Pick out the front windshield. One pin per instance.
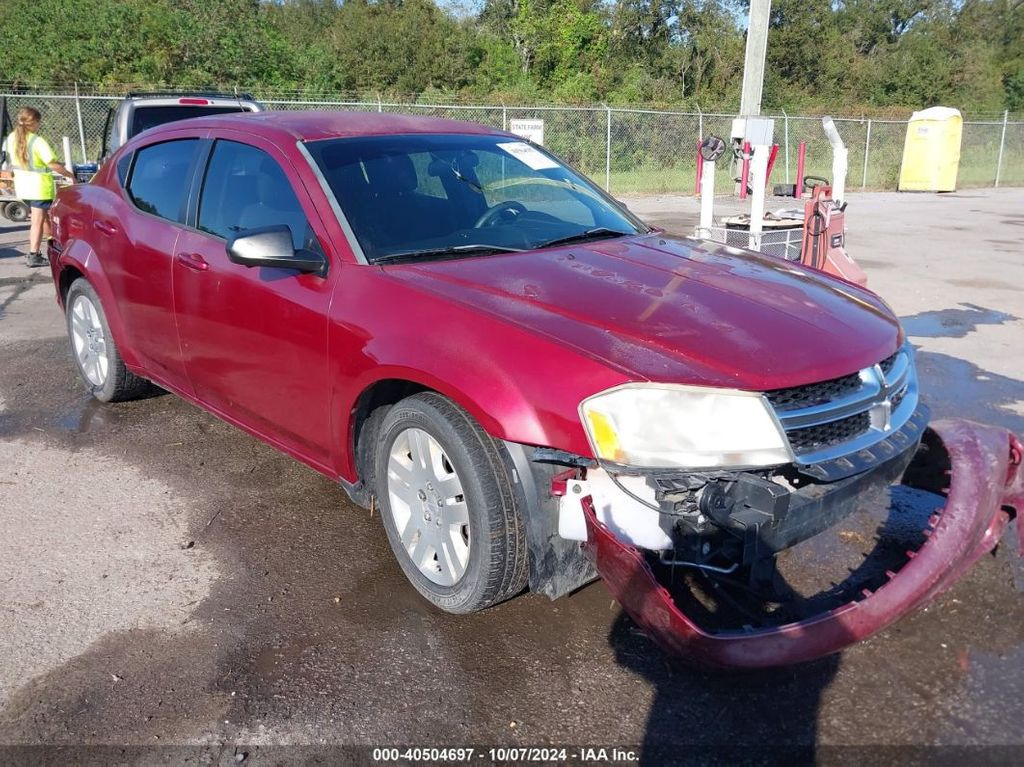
(427, 196)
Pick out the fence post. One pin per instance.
(380, 105)
(81, 126)
(700, 123)
(1002, 143)
(867, 151)
(785, 124)
(700, 169)
(504, 116)
(608, 152)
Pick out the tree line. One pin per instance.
(821, 53)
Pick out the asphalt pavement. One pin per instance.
(166, 579)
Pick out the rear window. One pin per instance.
(145, 118)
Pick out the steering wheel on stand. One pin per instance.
(508, 210)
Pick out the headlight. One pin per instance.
(692, 427)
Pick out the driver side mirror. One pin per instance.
(272, 246)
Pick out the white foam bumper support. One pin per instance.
(627, 518)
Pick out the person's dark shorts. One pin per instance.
(41, 204)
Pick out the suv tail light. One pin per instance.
(193, 101)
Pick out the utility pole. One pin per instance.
(753, 61)
(753, 77)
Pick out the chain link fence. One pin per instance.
(631, 151)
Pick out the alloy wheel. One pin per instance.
(89, 340)
(428, 507)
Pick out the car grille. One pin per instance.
(887, 363)
(813, 394)
(897, 398)
(828, 434)
(829, 419)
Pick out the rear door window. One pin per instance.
(160, 178)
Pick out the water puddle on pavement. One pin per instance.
(875, 537)
(85, 413)
(953, 323)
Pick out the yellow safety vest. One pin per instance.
(34, 182)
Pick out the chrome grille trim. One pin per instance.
(888, 398)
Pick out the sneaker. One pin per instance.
(36, 259)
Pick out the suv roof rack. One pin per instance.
(198, 94)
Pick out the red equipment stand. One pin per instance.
(824, 244)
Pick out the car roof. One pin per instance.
(189, 94)
(312, 126)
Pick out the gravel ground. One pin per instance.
(168, 580)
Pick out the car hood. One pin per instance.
(676, 310)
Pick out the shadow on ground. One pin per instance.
(716, 717)
(11, 249)
(12, 292)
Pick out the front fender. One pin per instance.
(519, 386)
(504, 408)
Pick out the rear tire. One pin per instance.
(93, 348)
(448, 505)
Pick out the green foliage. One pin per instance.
(821, 53)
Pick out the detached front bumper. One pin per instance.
(984, 488)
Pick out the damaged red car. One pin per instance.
(532, 386)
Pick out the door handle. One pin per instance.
(104, 226)
(193, 261)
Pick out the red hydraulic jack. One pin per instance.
(824, 238)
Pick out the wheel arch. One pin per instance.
(79, 261)
(509, 413)
(382, 393)
(366, 412)
(67, 275)
(556, 566)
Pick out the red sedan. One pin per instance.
(527, 381)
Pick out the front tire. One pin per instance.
(448, 505)
(93, 348)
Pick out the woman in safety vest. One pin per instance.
(32, 159)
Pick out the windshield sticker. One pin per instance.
(529, 156)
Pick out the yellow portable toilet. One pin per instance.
(931, 153)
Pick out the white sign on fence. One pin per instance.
(532, 130)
